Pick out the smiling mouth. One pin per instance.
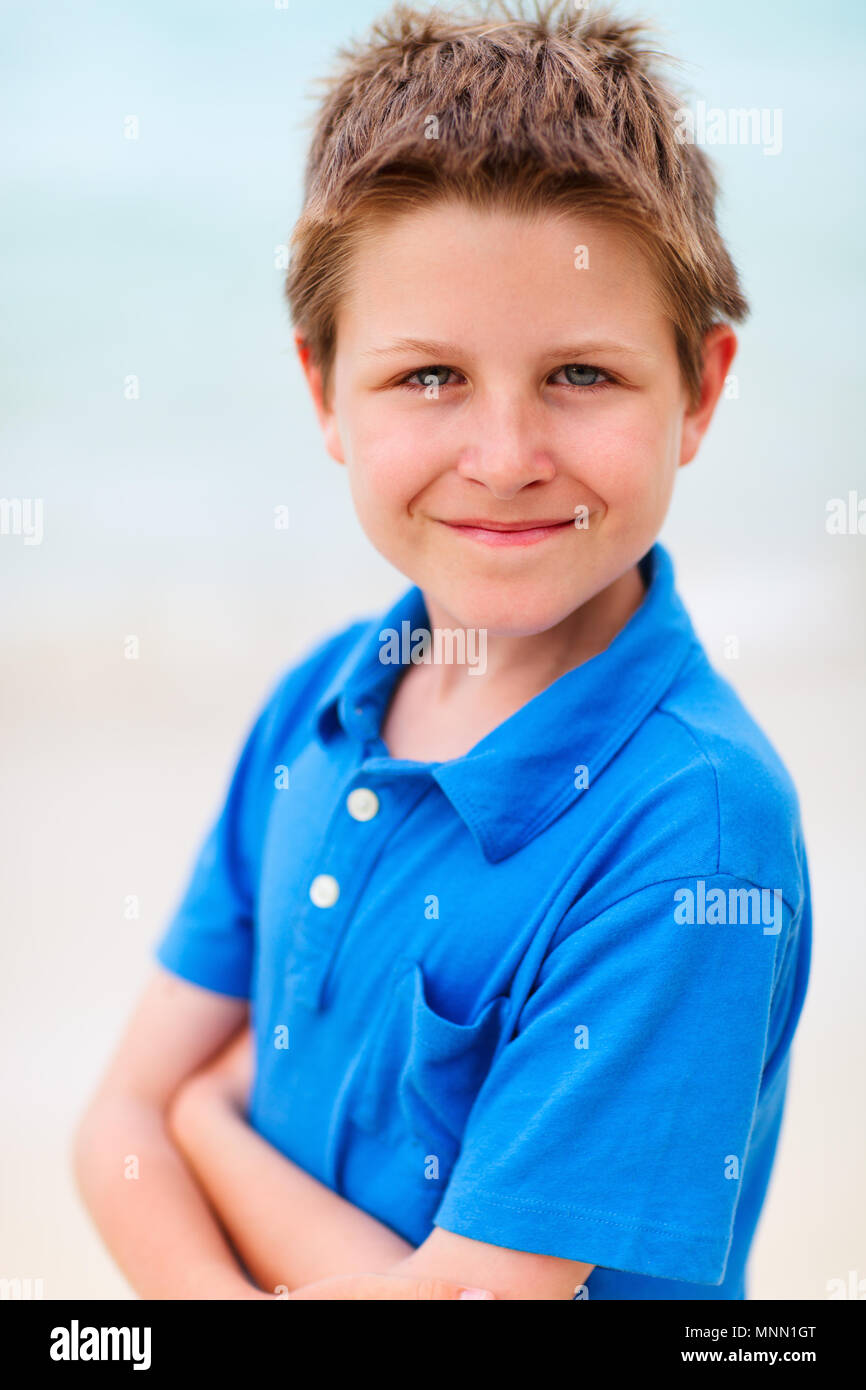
(509, 533)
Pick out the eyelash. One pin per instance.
(410, 385)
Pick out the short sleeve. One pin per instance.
(614, 1124)
(210, 938)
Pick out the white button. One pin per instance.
(324, 890)
(362, 803)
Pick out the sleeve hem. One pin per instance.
(593, 1238)
(221, 977)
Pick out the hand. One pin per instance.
(387, 1286)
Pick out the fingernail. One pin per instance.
(475, 1293)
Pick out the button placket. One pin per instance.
(350, 853)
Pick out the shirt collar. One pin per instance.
(521, 776)
(357, 695)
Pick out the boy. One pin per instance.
(522, 925)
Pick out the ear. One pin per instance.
(719, 349)
(324, 411)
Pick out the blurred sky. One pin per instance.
(155, 257)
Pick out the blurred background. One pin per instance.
(153, 403)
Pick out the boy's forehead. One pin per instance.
(545, 241)
(445, 267)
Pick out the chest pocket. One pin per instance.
(419, 1073)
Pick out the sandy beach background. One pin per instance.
(154, 258)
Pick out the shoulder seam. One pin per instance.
(669, 714)
(679, 879)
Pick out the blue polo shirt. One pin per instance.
(542, 995)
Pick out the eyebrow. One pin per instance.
(439, 352)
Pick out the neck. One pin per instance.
(525, 666)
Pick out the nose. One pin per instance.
(505, 453)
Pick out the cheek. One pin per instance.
(628, 461)
(383, 485)
(388, 467)
(384, 481)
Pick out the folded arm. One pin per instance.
(293, 1231)
(145, 1202)
(154, 1216)
(288, 1228)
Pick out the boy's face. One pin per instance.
(557, 398)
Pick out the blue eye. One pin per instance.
(429, 377)
(581, 372)
(578, 374)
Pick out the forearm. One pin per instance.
(289, 1229)
(149, 1209)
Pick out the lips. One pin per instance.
(509, 533)
(481, 523)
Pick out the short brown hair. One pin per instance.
(561, 109)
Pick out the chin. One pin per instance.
(508, 610)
